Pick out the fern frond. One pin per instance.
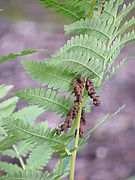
(23, 149)
(125, 10)
(120, 42)
(33, 134)
(49, 75)
(44, 125)
(130, 36)
(28, 114)
(4, 90)
(14, 56)
(95, 27)
(79, 62)
(110, 10)
(7, 107)
(28, 175)
(46, 99)
(112, 71)
(84, 5)
(63, 8)
(85, 44)
(10, 153)
(124, 27)
(7, 142)
(39, 157)
(8, 167)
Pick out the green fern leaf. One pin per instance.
(119, 43)
(47, 99)
(130, 36)
(33, 134)
(49, 75)
(23, 149)
(85, 44)
(7, 142)
(4, 90)
(95, 27)
(28, 114)
(10, 153)
(7, 107)
(112, 71)
(63, 8)
(14, 56)
(80, 63)
(125, 10)
(8, 167)
(110, 10)
(84, 5)
(39, 157)
(28, 175)
(124, 27)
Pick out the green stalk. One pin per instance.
(61, 161)
(60, 168)
(16, 151)
(72, 168)
(91, 9)
(19, 157)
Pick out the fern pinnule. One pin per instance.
(84, 44)
(65, 9)
(9, 167)
(51, 75)
(29, 174)
(112, 71)
(4, 90)
(23, 149)
(7, 142)
(80, 63)
(124, 12)
(110, 10)
(39, 157)
(33, 134)
(28, 114)
(99, 29)
(124, 27)
(7, 107)
(120, 42)
(14, 56)
(49, 100)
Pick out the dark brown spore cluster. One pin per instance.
(79, 85)
(91, 92)
(103, 7)
(82, 123)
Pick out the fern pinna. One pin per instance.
(81, 66)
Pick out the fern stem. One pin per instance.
(60, 168)
(91, 9)
(61, 161)
(19, 157)
(73, 158)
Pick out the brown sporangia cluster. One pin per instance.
(78, 86)
(103, 7)
(91, 92)
(82, 123)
